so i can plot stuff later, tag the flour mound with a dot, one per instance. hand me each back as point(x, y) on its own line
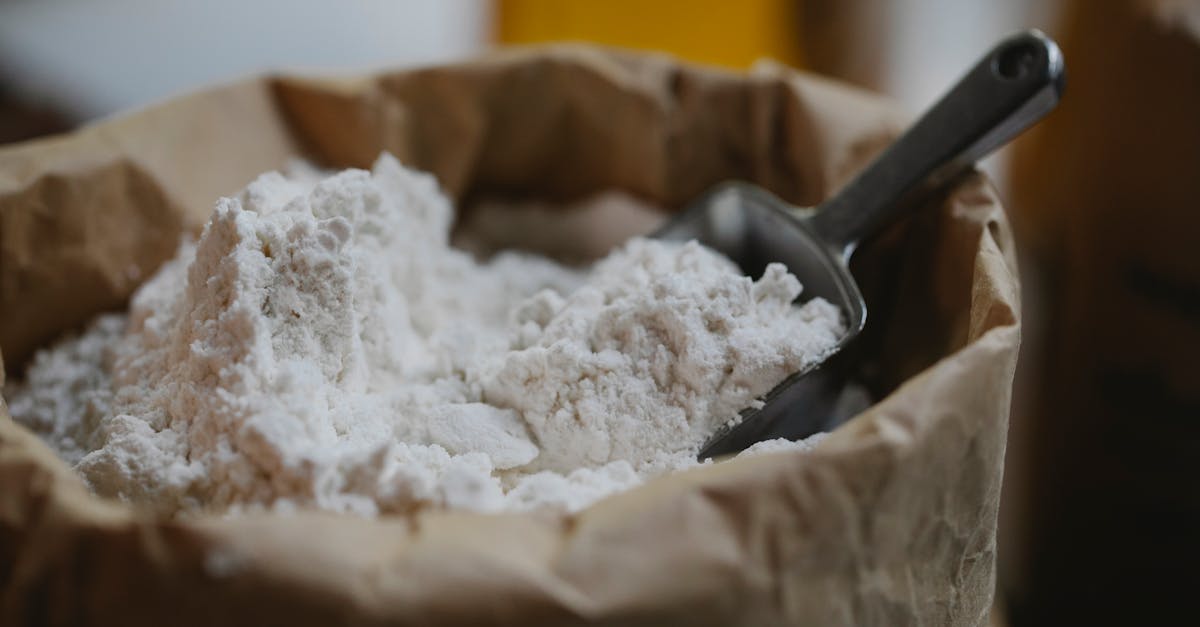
point(322, 345)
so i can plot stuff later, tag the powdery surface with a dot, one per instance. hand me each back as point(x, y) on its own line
point(323, 346)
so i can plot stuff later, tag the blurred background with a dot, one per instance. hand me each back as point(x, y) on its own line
point(1100, 520)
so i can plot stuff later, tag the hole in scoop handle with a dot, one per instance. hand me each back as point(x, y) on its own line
point(1013, 86)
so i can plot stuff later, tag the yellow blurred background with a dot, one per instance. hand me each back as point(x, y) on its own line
point(717, 32)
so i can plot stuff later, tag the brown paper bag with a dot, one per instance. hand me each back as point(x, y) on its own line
point(890, 521)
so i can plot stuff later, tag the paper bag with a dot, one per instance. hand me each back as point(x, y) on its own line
point(889, 521)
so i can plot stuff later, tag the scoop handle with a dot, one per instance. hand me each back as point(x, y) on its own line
point(1012, 87)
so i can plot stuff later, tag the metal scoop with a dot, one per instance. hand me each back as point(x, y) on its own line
point(1015, 85)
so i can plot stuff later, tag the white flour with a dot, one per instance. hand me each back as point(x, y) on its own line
point(323, 346)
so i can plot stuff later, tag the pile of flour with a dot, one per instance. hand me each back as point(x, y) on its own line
point(322, 345)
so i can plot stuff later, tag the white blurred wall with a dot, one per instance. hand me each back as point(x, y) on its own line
point(90, 58)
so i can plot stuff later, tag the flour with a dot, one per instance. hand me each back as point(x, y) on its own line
point(322, 346)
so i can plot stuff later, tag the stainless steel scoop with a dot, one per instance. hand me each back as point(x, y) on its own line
point(1012, 87)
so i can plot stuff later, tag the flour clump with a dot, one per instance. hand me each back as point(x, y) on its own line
point(322, 345)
